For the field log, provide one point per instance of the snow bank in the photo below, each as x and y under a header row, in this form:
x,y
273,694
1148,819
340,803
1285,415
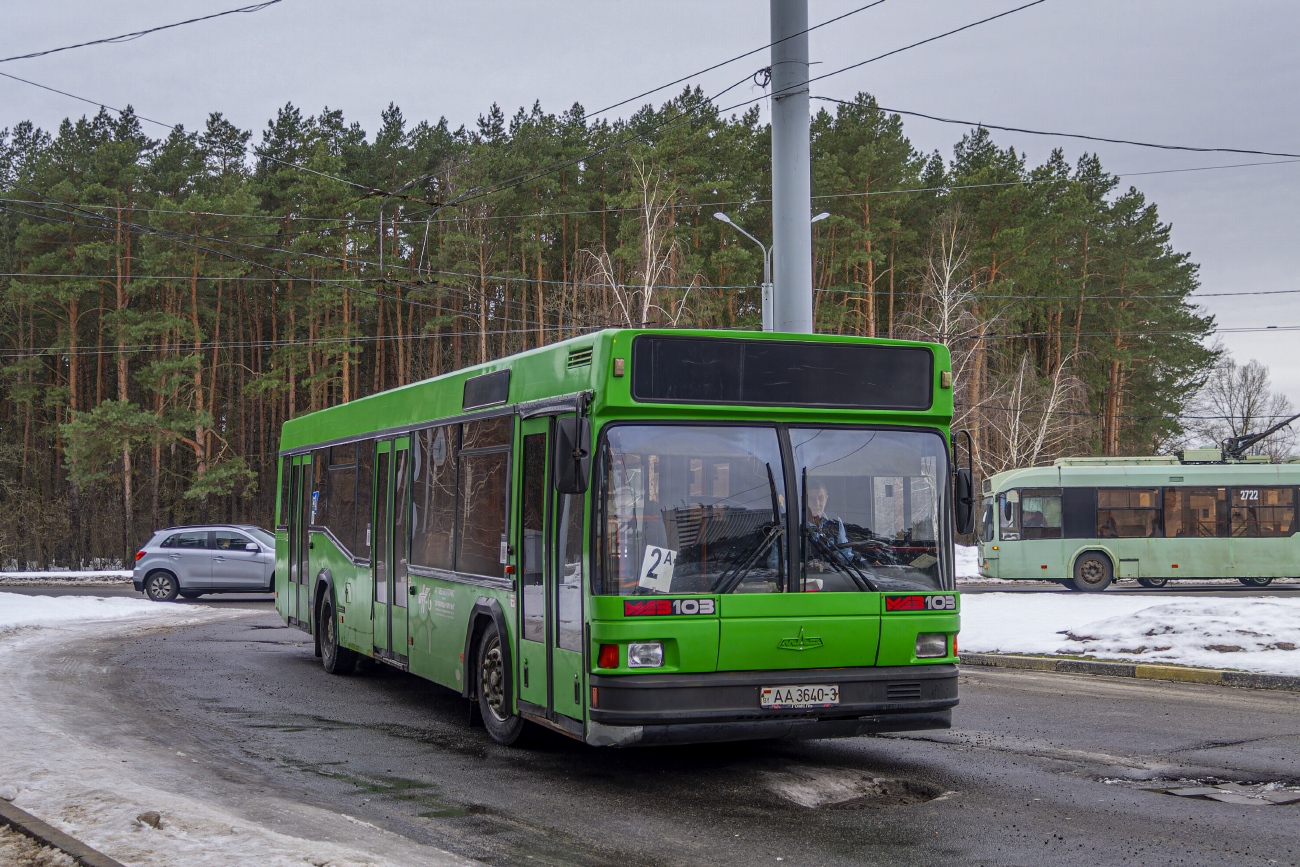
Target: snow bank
x,y
19,610
967,561
68,578
1250,634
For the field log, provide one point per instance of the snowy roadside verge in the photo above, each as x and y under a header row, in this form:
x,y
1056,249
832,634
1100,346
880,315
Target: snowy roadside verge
x,y
1254,634
97,578
53,689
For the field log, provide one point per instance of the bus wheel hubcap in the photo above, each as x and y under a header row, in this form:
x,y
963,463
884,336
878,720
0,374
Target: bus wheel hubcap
x,y
1092,572
494,680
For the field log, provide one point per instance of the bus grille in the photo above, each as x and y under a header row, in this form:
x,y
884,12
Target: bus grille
x,y
903,691
579,357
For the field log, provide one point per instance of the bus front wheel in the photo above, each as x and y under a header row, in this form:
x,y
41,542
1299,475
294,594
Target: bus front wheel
x,y
494,700
1259,581
1092,572
336,659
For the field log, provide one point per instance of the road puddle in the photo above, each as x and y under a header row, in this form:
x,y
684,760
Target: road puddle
x,y
843,788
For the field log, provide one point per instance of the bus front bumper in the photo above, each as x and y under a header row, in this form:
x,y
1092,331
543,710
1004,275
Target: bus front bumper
x,y
645,710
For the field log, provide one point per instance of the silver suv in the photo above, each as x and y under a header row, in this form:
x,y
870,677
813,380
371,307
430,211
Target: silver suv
x,y
216,558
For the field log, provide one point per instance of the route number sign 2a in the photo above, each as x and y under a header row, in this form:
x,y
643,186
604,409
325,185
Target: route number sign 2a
x,y
657,569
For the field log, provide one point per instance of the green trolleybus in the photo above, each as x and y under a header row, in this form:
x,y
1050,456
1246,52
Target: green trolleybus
x,y
1089,521
641,537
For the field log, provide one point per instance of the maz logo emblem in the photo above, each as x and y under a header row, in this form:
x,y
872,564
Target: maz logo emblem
x,y
799,643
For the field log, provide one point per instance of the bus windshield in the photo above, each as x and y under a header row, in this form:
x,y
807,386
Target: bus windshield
x,y
691,509
873,503
702,509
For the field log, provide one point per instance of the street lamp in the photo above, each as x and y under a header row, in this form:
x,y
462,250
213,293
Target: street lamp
x,y
767,262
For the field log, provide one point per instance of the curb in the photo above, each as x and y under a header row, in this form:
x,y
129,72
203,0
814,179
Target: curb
x,y
1141,671
25,823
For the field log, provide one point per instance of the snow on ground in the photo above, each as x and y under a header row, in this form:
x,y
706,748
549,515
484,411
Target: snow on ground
x,y
93,787
20,610
69,578
1259,634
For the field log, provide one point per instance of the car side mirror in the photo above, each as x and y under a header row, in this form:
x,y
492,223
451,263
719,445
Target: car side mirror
x,y
964,501
252,546
571,467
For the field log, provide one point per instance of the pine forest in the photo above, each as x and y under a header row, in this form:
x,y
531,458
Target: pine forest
x,y
168,302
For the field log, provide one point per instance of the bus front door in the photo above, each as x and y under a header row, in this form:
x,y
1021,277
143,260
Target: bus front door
x,y
392,508
550,642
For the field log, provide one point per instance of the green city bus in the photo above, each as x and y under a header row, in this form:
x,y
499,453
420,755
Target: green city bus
x,y
641,537
1087,522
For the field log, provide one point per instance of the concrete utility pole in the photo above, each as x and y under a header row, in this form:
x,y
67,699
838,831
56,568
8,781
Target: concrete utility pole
x,y
791,172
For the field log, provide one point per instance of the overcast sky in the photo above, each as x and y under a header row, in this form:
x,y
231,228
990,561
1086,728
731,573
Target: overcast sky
x,y
1204,73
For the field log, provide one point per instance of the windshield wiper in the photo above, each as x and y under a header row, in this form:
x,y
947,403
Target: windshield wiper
x,y
728,580
829,555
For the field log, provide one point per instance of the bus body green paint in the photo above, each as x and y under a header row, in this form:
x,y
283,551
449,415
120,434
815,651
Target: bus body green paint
x,y
725,653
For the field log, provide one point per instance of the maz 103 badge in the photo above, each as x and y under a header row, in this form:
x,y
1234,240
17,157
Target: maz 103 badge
x,y
666,607
657,569
920,603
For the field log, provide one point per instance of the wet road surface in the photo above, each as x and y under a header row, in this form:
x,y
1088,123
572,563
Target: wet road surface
x,y
1039,768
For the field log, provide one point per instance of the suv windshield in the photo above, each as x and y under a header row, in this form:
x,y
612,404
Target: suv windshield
x,y
872,502
262,536
702,509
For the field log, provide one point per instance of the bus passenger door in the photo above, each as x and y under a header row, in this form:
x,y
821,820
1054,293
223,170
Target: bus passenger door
x,y
551,587
534,625
299,604
379,545
566,600
391,531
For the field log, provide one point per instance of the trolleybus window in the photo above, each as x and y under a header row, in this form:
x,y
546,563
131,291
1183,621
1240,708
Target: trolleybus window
x,y
873,508
986,521
1128,513
1195,512
1040,513
1009,515
690,509
1260,512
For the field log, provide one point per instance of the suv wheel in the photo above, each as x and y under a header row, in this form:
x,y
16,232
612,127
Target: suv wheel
x,y
161,587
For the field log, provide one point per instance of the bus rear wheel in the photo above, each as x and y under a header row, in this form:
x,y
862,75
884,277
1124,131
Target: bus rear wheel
x,y
494,679
1092,572
1153,582
1256,582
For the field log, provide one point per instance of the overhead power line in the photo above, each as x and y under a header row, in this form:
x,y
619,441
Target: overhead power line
x,y
731,60
1097,138
128,37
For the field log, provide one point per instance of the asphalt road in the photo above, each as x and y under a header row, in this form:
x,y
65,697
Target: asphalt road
x,y
1039,768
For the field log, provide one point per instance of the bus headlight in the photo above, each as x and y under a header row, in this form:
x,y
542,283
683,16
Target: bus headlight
x,y
930,645
649,654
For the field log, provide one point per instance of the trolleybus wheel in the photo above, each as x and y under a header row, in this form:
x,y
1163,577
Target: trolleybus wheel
x,y
503,726
161,586
337,660
1257,582
1092,572
1153,582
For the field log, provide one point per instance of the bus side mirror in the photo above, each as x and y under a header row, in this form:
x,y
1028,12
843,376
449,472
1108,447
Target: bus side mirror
x,y
964,501
571,469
